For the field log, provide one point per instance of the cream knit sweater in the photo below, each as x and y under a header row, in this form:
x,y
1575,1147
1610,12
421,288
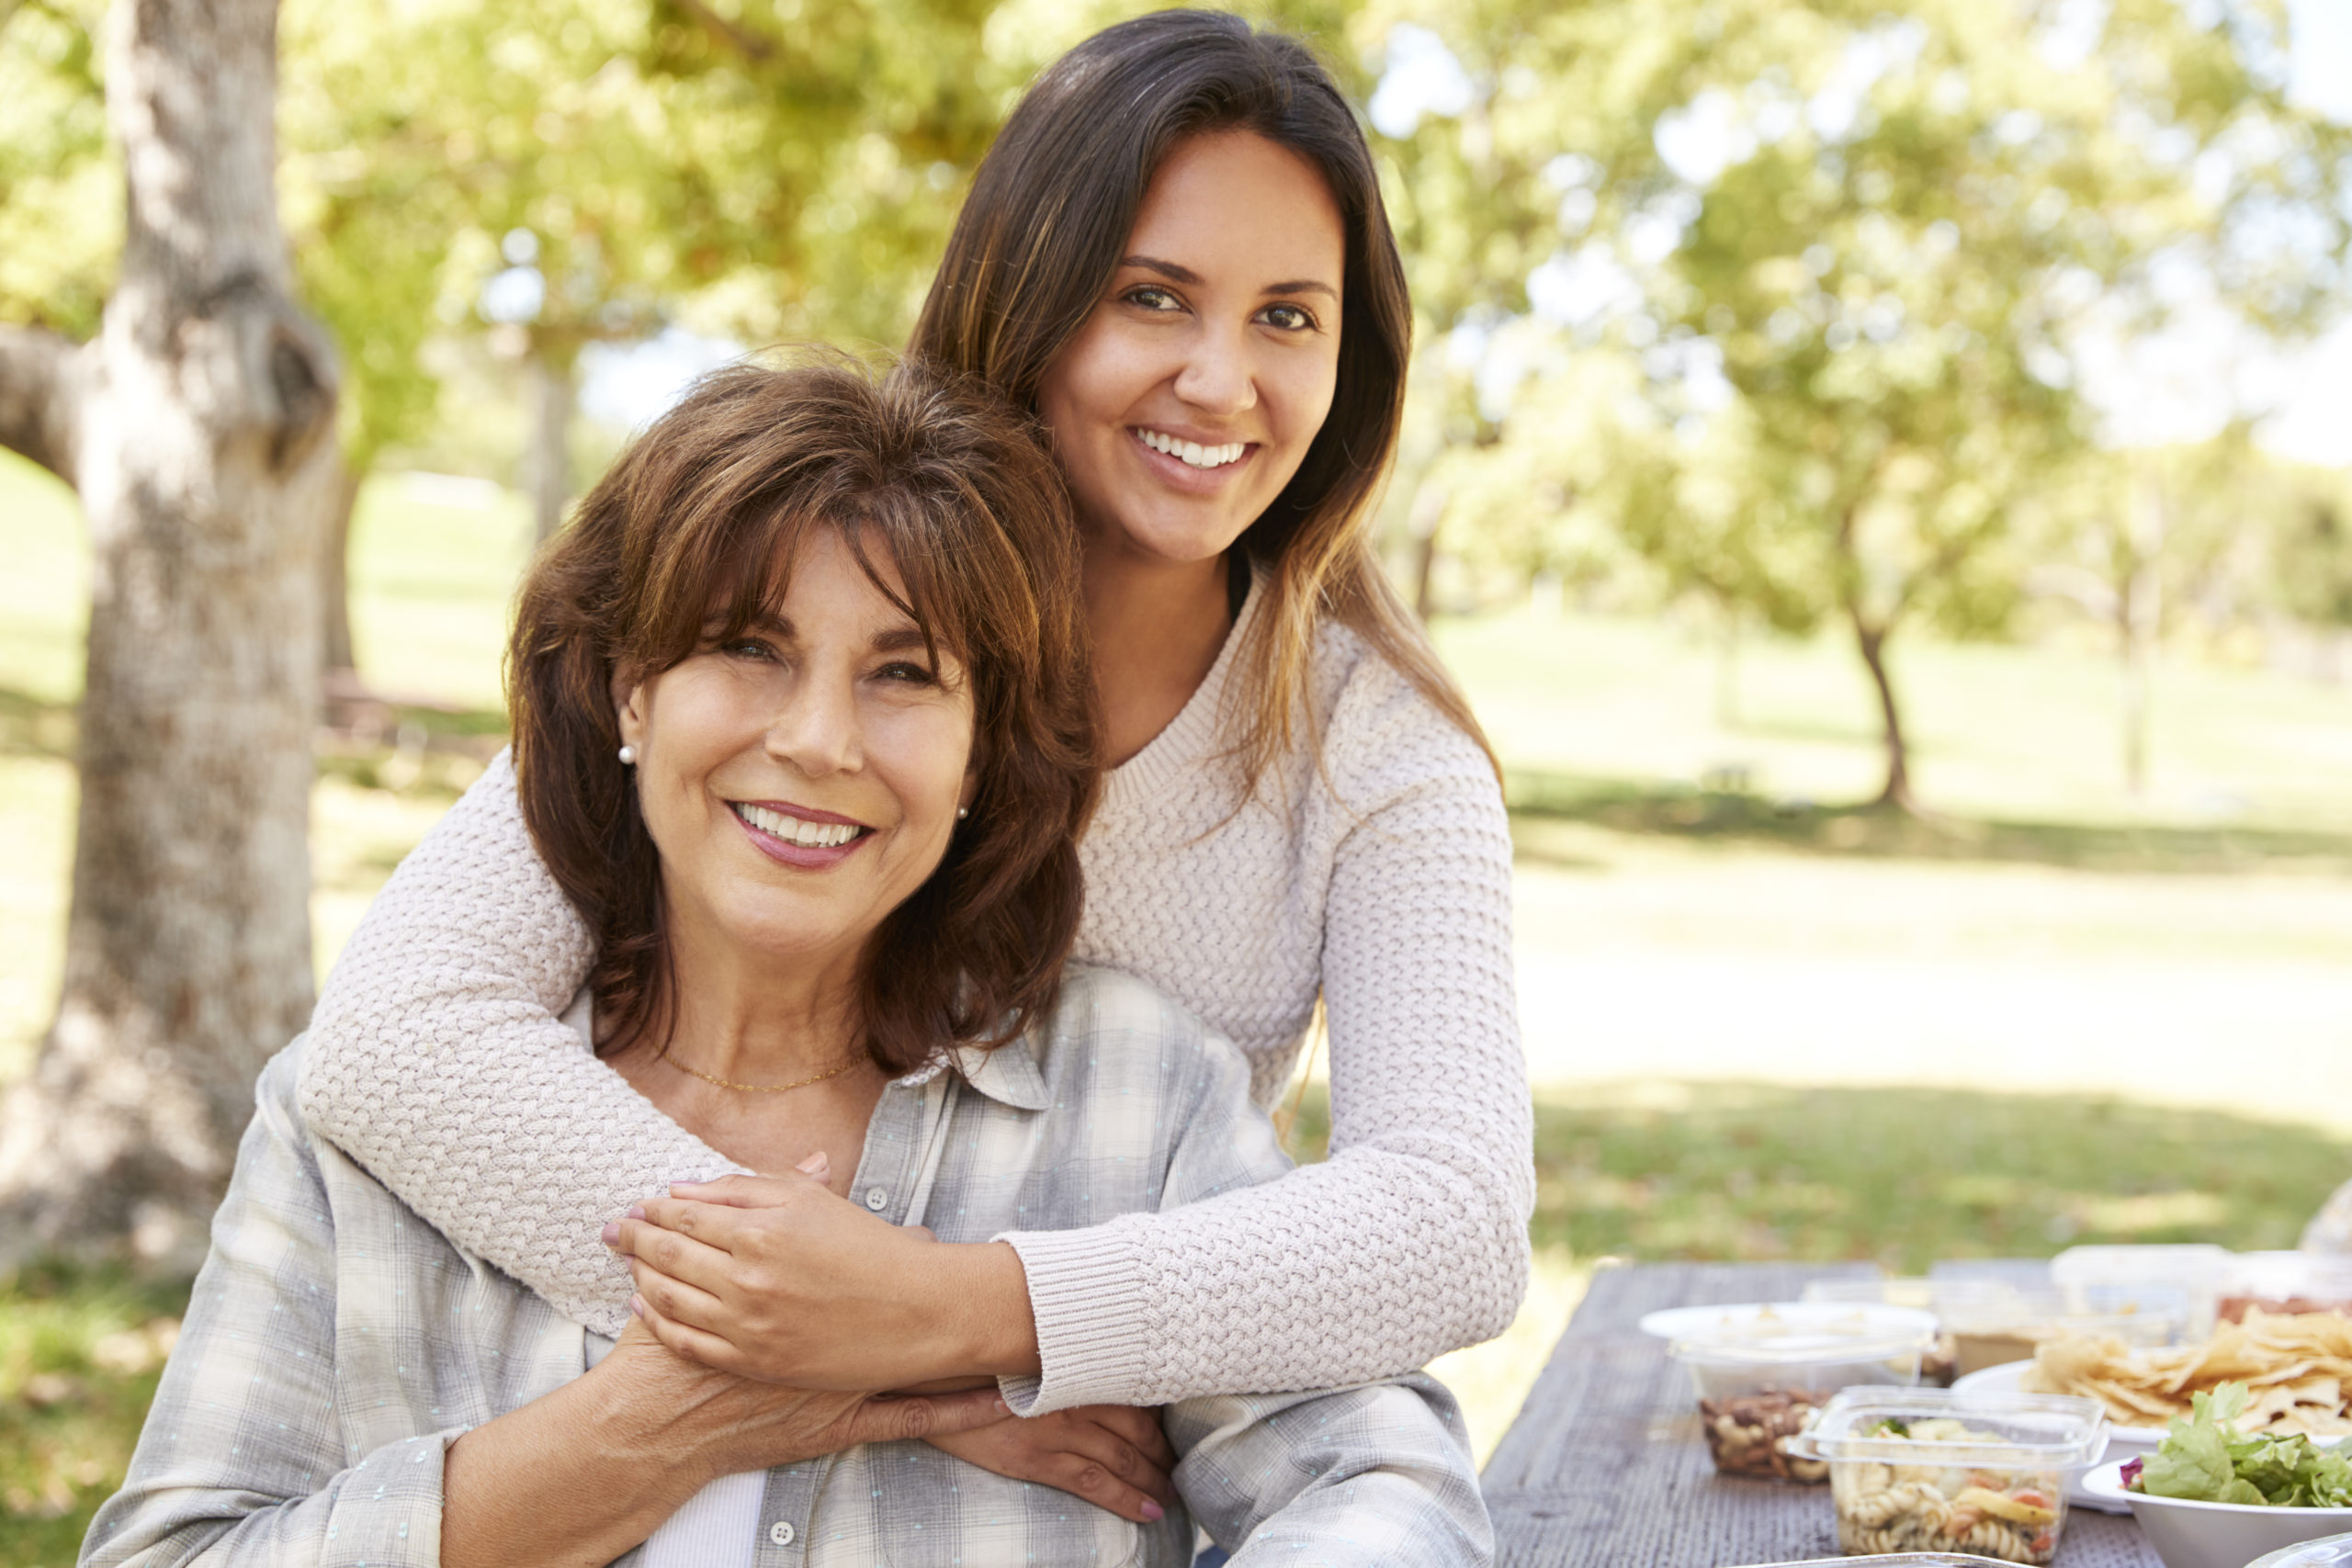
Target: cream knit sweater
x,y
1380,880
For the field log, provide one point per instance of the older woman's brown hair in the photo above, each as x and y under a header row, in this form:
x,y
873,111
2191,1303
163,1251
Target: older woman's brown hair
x,y
689,537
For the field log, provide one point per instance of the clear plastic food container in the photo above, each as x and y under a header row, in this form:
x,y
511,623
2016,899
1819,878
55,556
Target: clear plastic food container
x,y
1896,1559
2199,1271
2286,1282
1762,1382
2332,1551
1940,1363
1991,1324
1931,1469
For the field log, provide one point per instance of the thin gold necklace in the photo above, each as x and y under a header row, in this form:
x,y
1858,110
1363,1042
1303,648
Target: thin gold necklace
x,y
758,1087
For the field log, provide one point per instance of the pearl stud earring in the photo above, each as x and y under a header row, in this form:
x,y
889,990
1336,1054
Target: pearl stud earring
x,y
628,756
962,812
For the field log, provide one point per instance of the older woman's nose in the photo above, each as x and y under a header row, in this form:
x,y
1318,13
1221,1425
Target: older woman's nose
x,y
817,731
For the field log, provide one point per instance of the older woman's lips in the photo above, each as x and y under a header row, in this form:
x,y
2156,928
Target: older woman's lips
x,y
766,826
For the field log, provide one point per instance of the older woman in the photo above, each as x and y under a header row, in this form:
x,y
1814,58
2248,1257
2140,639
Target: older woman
x,y
802,731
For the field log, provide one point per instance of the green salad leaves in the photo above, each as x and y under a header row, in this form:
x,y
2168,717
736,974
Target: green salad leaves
x,y
2206,1459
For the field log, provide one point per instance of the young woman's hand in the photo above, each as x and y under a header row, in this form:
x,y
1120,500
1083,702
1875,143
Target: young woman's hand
x,y
776,1278
1113,1456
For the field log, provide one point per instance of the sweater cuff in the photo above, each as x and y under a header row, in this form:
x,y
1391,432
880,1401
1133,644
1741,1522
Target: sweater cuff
x,y
1085,1293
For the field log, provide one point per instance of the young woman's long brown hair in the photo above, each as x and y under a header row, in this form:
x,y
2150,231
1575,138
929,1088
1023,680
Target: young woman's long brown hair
x,y
1041,234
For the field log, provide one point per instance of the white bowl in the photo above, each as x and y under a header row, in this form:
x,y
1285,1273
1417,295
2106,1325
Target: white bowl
x,y
2329,1551
2216,1535
2122,1442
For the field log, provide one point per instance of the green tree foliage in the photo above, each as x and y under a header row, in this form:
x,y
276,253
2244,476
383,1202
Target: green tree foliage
x,y
1859,253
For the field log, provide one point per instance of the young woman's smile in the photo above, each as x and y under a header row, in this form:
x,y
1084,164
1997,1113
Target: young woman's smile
x,y
1192,394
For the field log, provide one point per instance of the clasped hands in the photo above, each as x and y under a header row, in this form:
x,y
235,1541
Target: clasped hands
x,y
779,1281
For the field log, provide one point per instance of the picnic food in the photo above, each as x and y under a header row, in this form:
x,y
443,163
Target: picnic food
x,y
2011,1514
2297,1368
1747,1433
2205,1458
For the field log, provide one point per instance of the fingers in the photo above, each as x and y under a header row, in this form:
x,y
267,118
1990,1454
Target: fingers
x,y
1139,1426
892,1418
681,1304
1082,1477
679,1256
1102,1460
687,1344
754,1192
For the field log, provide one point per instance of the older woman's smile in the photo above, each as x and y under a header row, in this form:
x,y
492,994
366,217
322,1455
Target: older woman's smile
x,y
799,835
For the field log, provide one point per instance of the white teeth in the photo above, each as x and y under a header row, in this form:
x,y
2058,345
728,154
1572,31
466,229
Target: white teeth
x,y
1192,452
793,830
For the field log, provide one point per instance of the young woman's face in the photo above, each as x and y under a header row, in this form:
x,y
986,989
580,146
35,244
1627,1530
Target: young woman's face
x,y
801,781
1190,397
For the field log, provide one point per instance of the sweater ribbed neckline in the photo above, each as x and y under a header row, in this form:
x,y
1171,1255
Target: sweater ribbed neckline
x,y
1192,735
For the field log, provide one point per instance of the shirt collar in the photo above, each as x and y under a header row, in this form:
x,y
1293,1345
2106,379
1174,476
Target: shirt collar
x,y
1007,1074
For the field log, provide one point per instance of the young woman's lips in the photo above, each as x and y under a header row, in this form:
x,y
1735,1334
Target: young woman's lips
x,y
1177,473
803,857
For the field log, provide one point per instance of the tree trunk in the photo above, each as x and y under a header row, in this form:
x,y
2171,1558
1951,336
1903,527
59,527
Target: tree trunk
x,y
335,581
1429,511
2138,611
1871,640
547,464
196,429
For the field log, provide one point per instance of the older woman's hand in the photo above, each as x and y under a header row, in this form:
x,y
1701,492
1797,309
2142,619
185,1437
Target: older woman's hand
x,y
1113,1455
776,1278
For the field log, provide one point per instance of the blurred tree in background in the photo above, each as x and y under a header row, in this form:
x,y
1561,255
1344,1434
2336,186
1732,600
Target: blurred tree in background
x,y
1825,277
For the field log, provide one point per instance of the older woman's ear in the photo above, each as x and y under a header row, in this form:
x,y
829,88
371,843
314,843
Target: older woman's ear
x,y
628,712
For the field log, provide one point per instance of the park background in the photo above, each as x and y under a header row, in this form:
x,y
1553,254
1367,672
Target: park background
x,y
1998,343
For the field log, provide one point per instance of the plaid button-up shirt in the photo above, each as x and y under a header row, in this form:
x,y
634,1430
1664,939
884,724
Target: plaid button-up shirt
x,y
336,1344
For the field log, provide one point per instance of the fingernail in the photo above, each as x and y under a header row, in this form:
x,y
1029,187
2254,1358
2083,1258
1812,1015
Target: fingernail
x,y
637,1306
1153,1511
813,1163
687,1181
637,1211
612,1232
1002,1408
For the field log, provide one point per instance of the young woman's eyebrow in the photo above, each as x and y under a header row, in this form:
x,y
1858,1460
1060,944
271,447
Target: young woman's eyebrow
x,y
1176,273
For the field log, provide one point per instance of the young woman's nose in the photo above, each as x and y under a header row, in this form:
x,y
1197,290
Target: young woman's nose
x,y
817,730
1218,376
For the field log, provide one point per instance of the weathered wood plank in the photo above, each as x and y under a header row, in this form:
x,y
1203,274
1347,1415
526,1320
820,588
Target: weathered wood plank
x,y
1605,1468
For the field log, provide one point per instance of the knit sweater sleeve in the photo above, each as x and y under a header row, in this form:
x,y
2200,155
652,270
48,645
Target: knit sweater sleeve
x,y
447,996
1411,1239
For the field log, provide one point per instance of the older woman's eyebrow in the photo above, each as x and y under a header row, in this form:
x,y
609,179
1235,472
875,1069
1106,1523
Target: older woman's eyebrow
x,y
897,639
1176,273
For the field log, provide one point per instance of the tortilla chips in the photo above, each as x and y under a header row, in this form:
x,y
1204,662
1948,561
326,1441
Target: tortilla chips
x,y
2297,1368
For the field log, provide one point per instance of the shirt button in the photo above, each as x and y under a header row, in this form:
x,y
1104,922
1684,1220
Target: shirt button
x,y
780,1532
877,1200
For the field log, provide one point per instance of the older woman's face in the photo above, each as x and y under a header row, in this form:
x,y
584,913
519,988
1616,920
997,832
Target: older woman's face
x,y
801,781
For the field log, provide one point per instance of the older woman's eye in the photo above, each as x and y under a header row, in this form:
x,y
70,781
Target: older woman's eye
x,y
747,647
908,674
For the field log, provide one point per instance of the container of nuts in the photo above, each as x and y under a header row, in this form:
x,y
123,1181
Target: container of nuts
x,y
1764,1374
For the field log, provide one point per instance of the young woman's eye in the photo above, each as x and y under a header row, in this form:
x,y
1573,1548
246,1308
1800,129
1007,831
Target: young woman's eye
x,y
1151,297
1290,318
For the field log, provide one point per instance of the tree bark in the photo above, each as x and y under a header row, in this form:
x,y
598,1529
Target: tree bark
x,y
1871,640
1427,514
198,436
335,579
547,466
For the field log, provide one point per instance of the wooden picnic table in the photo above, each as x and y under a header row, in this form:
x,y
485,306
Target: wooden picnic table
x,y
1605,1467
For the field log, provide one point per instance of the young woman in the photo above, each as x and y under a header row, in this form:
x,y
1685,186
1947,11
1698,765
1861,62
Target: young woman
x,y
804,598
1176,255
